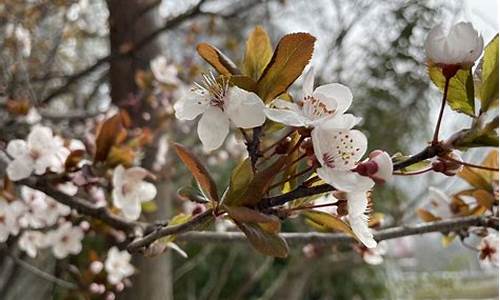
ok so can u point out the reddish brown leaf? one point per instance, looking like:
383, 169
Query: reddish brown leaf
217, 59
199, 172
293, 53
107, 136
73, 159
258, 53
265, 242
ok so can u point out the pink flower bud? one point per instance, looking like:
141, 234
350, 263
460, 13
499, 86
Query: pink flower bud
448, 167
379, 167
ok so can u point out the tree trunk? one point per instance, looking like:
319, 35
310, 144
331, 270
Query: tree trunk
153, 278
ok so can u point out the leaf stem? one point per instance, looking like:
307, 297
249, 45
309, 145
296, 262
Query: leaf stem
470, 165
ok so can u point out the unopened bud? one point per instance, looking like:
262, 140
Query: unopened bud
283, 146
448, 167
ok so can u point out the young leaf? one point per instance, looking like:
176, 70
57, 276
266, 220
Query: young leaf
217, 59
488, 86
460, 91
293, 53
474, 178
426, 215
329, 221
258, 53
265, 242
108, 135
240, 179
484, 198
247, 215
244, 82
199, 172
398, 157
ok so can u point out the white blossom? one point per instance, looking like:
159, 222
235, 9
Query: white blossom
117, 265
164, 72
460, 45
41, 210
8, 222
326, 102
375, 256
130, 190
31, 240
66, 239
41, 151
488, 248
22, 37
219, 106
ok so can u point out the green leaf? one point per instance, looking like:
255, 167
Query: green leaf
328, 221
240, 179
460, 91
217, 59
267, 243
293, 53
199, 172
488, 83
191, 194
258, 53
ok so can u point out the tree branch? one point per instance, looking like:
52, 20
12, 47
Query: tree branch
298, 238
160, 232
84, 207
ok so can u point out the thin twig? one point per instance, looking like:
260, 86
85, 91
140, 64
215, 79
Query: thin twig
435, 139
469, 164
296, 238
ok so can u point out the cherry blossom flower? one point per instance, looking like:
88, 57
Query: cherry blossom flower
130, 190
339, 151
219, 105
437, 203
66, 239
41, 210
488, 248
22, 37
461, 45
8, 222
164, 72
324, 103
117, 265
375, 256
31, 240
40, 152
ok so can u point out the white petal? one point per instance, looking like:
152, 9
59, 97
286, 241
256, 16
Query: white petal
17, 148
191, 105
356, 206
339, 92
41, 137
347, 181
287, 113
385, 167
146, 190
213, 128
245, 109
136, 173
308, 85
344, 121
177, 249
19, 169
131, 210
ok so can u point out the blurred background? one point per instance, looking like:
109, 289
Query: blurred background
75, 60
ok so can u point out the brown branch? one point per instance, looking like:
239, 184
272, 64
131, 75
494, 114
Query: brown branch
84, 207
160, 232
299, 238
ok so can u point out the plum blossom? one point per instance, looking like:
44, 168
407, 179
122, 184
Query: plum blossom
375, 256
41, 210
31, 240
437, 203
219, 104
130, 190
164, 72
117, 265
460, 45
488, 248
317, 106
338, 152
21, 36
8, 222
41, 151
66, 239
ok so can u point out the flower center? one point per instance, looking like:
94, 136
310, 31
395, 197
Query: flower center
35, 154
213, 90
314, 108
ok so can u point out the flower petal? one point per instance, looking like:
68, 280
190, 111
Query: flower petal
146, 190
346, 181
19, 169
245, 109
17, 148
308, 85
357, 203
344, 121
41, 137
287, 113
339, 92
213, 128
131, 210
192, 103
